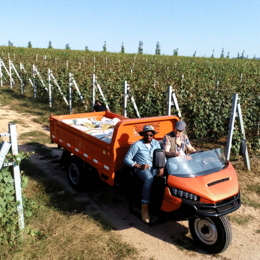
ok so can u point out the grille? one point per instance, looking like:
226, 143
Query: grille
218, 181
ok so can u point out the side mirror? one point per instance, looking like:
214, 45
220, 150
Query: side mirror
242, 150
158, 158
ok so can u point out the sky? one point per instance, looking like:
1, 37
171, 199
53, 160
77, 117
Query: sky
189, 25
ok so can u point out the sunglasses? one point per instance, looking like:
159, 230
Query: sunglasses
149, 135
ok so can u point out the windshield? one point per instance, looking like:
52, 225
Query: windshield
197, 164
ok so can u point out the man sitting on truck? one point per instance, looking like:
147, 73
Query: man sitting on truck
140, 156
176, 143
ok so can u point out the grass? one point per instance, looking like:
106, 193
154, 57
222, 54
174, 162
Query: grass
239, 219
35, 137
14, 122
65, 229
25, 103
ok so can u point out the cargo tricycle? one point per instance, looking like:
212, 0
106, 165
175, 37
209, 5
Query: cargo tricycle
201, 187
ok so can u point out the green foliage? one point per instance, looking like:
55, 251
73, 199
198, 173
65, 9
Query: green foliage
175, 52
9, 228
236, 140
67, 46
29, 44
204, 106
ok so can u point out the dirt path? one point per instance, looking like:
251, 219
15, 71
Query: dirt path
169, 240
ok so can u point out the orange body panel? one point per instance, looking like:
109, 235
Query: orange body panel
106, 158
170, 203
209, 194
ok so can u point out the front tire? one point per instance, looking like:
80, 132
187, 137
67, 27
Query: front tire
212, 234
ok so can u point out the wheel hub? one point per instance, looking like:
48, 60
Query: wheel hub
74, 174
206, 230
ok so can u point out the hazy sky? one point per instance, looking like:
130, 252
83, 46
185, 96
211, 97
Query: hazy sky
189, 25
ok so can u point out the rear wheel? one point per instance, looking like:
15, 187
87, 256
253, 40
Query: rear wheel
212, 234
76, 173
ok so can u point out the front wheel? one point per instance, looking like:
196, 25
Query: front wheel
212, 234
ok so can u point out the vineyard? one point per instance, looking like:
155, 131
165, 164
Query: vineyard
204, 86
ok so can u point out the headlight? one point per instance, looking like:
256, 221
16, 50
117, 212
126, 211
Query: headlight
183, 194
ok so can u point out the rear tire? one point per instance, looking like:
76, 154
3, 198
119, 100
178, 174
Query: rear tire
76, 173
212, 234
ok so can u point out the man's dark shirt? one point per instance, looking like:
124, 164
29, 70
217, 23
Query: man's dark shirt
99, 108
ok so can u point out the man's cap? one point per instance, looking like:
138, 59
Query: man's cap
180, 126
147, 128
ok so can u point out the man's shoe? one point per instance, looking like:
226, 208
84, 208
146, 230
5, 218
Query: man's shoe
145, 213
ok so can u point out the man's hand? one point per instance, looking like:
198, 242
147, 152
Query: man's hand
142, 167
145, 166
161, 171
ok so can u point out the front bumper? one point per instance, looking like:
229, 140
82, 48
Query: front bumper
212, 210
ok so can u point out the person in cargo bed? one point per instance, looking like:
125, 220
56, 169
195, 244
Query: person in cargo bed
140, 157
99, 106
176, 143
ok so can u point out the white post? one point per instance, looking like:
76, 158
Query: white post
231, 125
101, 92
135, 106
1, 81
49, 81
16, 172
21, 68
16, 72
125, 99
175, 101
37, 72
172, 101
240, 119
76, 86
56, 83
34, 86
169, 101
70, 102
93, 89
10, 74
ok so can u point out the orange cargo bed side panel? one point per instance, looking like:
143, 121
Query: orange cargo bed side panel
106, 158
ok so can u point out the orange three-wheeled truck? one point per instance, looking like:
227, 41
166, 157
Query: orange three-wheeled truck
201, 187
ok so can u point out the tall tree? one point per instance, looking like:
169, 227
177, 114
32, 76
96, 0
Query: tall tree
105, 46
140, 48
67, 46
49, 46
222, 53
227, 55
29, 44
10, 44
158, 49
86, 48
212, 55
194, 54
175, 52
242, 55
122, 48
